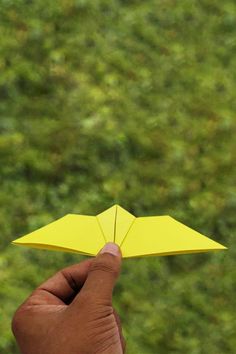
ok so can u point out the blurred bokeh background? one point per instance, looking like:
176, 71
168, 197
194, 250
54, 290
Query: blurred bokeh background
128, 102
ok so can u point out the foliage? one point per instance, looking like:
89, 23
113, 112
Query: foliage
128, 102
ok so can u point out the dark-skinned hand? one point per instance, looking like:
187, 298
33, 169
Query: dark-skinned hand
72, 312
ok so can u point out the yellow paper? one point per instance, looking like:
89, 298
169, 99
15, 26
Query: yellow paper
136, 236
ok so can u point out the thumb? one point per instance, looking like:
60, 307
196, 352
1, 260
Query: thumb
103, 273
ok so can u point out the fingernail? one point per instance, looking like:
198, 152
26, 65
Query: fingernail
111, 248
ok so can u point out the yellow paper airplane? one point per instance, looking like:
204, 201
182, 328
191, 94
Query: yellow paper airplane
136, 236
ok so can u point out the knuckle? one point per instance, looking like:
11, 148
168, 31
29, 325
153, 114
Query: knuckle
108, 344
86, 298
16, 322
104, 334
105, 265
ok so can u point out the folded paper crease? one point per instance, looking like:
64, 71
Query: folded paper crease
136, 236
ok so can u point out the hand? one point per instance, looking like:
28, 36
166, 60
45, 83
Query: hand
72, 313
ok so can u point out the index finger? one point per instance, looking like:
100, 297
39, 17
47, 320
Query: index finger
61, 287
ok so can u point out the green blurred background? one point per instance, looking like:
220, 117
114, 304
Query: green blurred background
128, 102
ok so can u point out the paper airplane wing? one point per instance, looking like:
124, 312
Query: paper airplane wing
73, 233
163, 235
